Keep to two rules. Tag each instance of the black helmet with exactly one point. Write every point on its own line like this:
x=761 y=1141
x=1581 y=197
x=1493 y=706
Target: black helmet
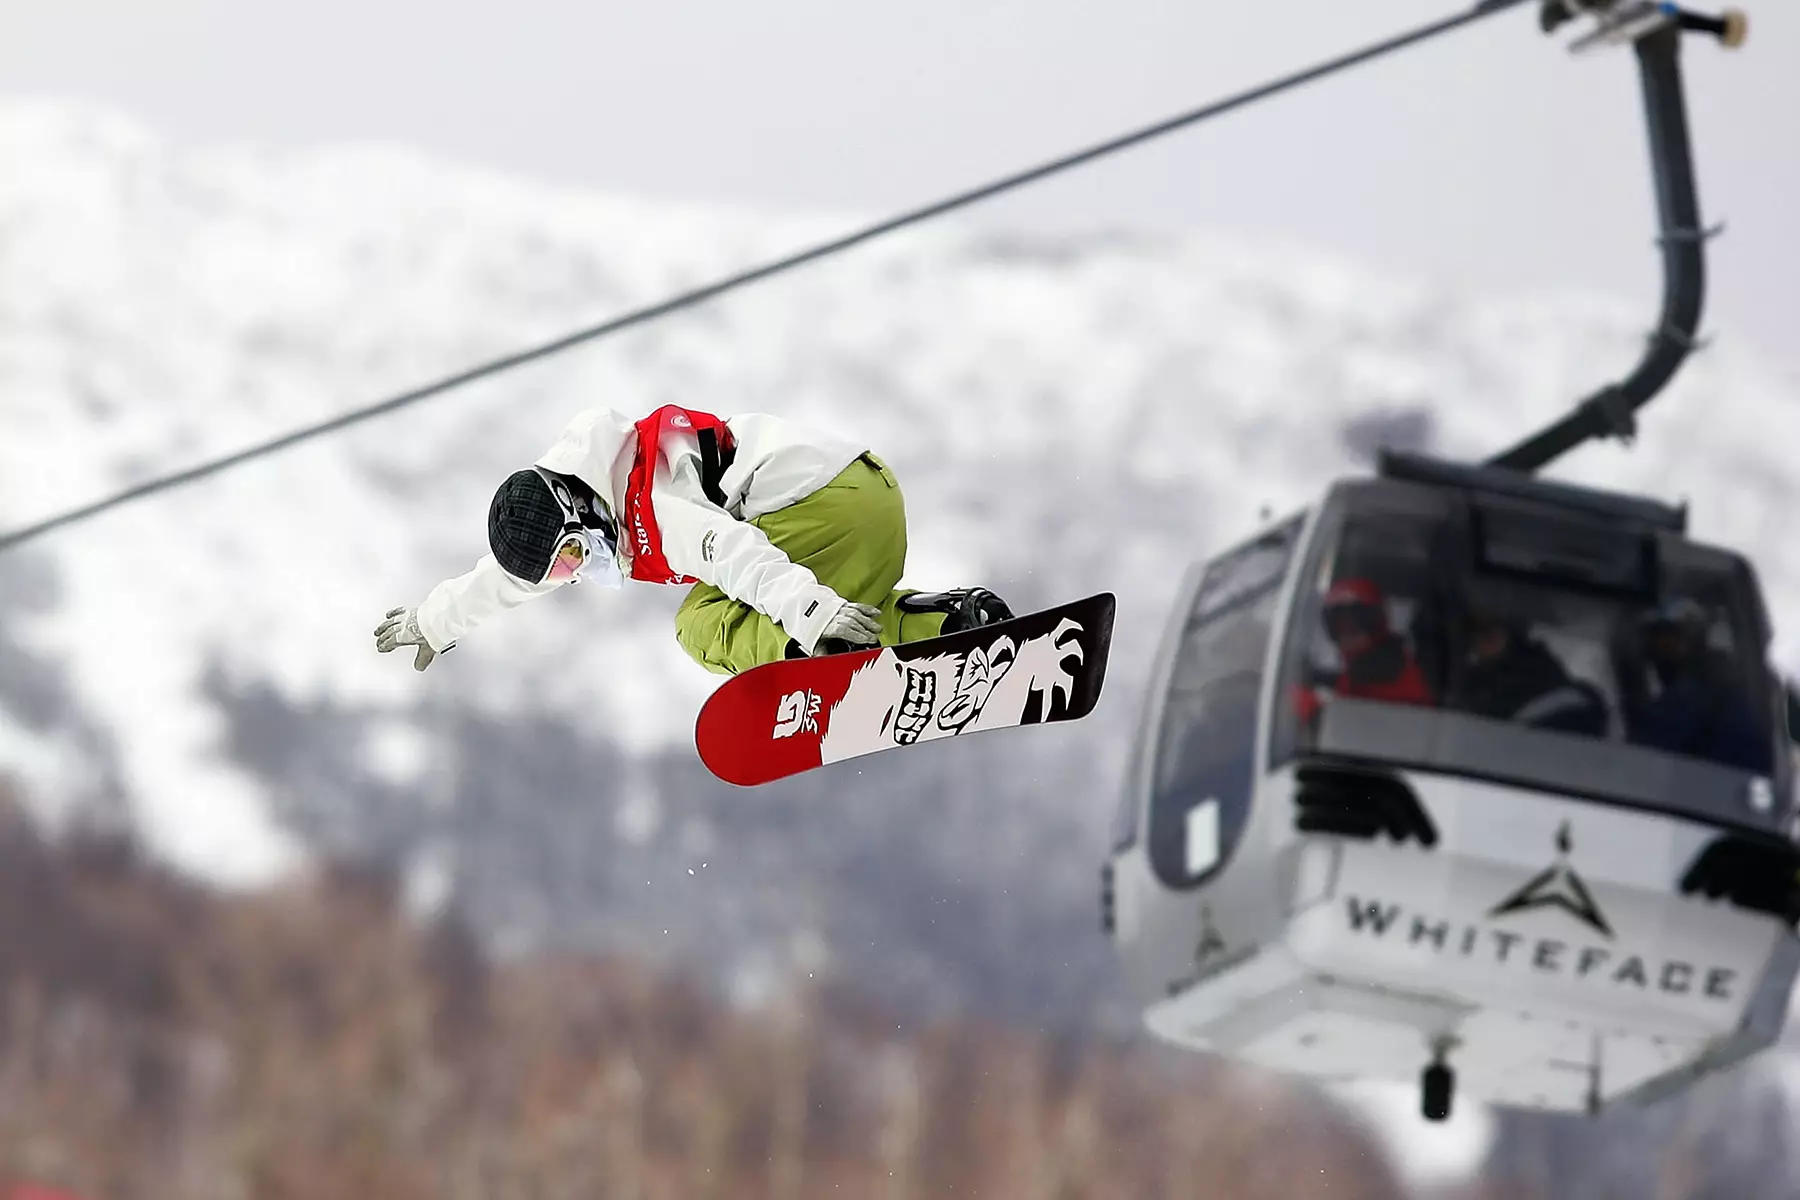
x=525 y=525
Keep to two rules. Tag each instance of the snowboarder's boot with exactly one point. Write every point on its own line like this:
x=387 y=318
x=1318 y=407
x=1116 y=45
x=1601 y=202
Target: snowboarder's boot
x=963 y=608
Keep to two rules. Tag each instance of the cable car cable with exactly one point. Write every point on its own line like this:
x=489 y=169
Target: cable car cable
x=709 y=291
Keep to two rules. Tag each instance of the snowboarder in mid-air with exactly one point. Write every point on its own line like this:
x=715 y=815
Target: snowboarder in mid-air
x=794 y=542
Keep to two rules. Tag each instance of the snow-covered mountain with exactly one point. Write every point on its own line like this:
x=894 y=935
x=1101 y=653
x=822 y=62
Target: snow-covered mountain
x=1065 y=414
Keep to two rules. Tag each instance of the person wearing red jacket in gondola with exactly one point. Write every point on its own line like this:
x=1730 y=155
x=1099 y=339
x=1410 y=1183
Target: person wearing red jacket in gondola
x=1377 y=662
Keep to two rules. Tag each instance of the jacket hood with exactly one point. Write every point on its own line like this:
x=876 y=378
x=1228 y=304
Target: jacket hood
x=598 y=446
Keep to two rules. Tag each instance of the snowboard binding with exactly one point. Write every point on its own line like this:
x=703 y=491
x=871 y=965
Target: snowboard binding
x=964 y=608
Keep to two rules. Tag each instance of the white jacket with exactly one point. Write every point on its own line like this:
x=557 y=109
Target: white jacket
x=777 y=463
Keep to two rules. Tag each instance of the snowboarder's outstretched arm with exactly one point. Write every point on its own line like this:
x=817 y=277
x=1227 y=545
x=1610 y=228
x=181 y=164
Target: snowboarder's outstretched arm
x=702 y=540
x=456 y=606
x=453 y=608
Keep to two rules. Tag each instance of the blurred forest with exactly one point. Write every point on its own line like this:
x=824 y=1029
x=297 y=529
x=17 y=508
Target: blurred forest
x=158 y=1039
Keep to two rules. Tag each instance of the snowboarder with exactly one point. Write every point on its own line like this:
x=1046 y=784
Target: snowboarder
x=794 y=542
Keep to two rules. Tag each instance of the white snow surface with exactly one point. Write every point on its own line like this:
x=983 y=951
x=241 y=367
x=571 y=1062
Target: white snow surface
x=161 y=304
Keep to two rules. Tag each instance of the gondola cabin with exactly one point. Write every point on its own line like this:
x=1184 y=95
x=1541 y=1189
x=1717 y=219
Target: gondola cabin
x=1468 y=778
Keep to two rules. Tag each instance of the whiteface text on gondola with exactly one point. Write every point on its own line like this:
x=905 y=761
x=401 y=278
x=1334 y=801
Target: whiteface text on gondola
x=1541 y=955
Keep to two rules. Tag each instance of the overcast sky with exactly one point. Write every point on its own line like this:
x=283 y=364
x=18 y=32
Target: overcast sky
x=1490 y=157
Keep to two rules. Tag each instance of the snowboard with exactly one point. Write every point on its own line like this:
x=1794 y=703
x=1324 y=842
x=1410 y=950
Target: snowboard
x=787 y=717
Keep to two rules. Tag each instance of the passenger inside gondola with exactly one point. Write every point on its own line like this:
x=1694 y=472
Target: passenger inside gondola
x=1510 y=674
x=1696 y=704
x=1377 y=663
x=1370 y=623
x=1534 y=621
x=1374 y=660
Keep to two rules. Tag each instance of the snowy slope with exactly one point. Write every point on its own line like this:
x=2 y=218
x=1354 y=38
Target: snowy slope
x=1065 y=415
x=1134 y=401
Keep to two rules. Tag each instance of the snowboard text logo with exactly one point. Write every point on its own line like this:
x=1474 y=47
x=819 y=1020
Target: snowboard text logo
x=797 y=713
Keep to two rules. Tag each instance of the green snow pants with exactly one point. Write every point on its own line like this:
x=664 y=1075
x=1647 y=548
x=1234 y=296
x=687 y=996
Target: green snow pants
x=851 y=533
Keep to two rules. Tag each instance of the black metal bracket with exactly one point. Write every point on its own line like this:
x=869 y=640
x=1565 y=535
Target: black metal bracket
x=1689 y=235
x=1610 y=411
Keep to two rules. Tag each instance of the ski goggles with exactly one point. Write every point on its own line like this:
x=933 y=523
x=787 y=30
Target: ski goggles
x=572 y=554
x=585 y=533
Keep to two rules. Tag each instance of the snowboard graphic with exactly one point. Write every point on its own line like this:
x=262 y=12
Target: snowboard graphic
x=787 y=717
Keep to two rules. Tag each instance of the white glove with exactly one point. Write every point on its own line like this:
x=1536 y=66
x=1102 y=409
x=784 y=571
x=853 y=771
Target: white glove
x=401 y=628
x=858 y=624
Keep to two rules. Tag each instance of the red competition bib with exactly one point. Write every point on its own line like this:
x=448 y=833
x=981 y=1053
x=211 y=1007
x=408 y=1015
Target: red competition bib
x=647 y=561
